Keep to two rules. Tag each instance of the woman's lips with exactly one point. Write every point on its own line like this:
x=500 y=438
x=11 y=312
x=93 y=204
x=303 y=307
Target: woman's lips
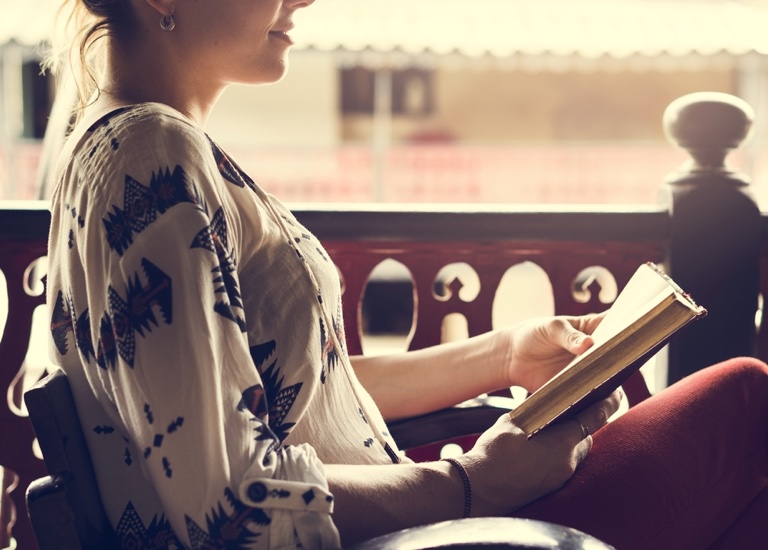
x=281 y=35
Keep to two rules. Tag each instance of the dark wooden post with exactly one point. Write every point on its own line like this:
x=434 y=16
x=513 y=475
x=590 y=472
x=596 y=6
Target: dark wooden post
x=715 y=230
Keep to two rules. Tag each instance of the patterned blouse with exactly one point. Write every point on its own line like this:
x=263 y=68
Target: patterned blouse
x=200 y=327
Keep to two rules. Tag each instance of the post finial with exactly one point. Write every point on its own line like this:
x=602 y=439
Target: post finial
x=708 y=125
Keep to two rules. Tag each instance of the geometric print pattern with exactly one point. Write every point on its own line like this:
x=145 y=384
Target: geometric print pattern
x=131 y=532
x=222 y=530
x=63 y=322
x=215 y=238
x=129 y=314
x=135 y=311
x=329 y=353
x=143 y=204
x=159 y=437
x=229 y=170
x=280 y=399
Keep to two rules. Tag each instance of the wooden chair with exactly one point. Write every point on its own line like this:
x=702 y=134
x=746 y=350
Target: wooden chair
x=486 y=533
x=66 y=511
x=64 y=508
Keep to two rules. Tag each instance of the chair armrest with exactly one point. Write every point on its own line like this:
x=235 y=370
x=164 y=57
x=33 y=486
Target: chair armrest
x=48 y=504
x=486 y=533
x=468 y=418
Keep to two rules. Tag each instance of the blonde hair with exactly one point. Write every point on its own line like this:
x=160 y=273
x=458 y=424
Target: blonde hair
x=77 y=49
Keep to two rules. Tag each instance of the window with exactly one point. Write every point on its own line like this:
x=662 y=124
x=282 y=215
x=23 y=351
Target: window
x=38 y=99
x=412 y=91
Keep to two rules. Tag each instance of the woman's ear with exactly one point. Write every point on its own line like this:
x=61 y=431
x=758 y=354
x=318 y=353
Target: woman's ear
x=163 y=7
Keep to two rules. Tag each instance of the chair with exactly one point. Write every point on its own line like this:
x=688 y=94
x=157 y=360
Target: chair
x=66 y=511
x=471 y=417
x=488 y=534
x=64 y=508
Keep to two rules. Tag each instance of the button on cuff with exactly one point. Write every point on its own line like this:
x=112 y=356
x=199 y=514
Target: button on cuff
x=286 y=495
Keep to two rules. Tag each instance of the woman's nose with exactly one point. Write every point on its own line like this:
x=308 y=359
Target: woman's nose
x=296 y=4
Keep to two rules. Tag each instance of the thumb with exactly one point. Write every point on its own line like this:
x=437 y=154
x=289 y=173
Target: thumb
x=575 y=341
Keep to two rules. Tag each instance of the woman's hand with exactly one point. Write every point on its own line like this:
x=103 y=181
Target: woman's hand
x=538 y=349
x=508 y=470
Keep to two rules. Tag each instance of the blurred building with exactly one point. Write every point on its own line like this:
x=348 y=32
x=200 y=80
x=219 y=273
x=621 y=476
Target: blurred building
x=456 y=100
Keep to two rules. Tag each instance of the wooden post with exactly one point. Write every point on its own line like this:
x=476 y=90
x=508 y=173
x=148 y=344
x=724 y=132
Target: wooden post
x=715 y=230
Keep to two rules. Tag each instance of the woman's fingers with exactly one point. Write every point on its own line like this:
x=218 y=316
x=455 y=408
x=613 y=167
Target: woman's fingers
x=574 y=333
x=574 y=340
x=576 y=432
x=596 y=416
x=511 y=469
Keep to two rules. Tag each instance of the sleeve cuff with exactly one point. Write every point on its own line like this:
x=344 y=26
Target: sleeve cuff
x=286 y=495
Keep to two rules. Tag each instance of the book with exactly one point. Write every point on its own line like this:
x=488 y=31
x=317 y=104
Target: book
x=646 y=314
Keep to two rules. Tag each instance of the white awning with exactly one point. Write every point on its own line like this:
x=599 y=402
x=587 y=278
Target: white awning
x=502 y=28
x=589 y=29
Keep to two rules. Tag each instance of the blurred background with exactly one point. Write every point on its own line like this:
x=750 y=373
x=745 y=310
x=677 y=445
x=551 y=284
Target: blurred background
x=454 y=101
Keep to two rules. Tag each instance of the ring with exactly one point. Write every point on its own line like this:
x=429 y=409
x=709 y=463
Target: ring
x=584 y=429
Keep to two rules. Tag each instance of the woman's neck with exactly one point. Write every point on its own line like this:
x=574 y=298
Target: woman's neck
x=137 y=78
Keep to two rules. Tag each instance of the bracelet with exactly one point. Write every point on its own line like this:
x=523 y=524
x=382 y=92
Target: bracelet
x=467 y=485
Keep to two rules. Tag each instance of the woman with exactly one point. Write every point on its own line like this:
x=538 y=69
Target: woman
x=200 y=326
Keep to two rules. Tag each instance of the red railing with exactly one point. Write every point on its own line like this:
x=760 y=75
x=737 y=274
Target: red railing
x=708 y=234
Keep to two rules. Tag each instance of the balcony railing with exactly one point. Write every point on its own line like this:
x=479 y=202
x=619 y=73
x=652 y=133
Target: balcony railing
x=708 y=233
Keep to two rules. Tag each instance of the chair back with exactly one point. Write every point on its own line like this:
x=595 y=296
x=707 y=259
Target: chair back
x=65 y=508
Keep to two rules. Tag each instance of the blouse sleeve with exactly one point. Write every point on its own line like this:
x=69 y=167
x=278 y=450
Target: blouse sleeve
x=178 y=369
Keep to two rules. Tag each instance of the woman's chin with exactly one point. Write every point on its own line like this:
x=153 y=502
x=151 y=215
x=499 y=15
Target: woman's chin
x=271 y=74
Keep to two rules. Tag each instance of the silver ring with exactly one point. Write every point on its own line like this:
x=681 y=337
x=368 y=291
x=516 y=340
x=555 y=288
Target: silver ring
x=584 y=429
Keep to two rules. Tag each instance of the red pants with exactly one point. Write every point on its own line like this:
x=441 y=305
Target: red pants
x=687 y=468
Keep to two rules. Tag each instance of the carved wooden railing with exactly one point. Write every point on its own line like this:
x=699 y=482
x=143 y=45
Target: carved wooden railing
x=23 y=232
x=707 y=232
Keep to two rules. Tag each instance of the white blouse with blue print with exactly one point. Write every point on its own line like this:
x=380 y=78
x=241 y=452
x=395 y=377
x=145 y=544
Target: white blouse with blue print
x=200 y=327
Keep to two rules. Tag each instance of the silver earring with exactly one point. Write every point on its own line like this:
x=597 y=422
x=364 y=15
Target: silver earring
x=167 y=22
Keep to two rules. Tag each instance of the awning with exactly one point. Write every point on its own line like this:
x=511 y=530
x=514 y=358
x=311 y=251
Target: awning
x=502 y=28
x=388 y=30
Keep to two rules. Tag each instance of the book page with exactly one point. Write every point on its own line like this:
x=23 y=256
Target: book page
x=642 y=287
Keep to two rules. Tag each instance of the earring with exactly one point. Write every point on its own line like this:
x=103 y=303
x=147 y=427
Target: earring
x=167 y=22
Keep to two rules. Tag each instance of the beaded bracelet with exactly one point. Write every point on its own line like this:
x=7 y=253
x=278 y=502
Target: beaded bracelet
x=467 y=485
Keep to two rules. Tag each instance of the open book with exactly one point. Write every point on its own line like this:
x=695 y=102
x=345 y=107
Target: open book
x=649 y=310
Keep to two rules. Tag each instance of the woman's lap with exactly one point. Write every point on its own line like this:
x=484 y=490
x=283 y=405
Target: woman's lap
x=677 y=470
